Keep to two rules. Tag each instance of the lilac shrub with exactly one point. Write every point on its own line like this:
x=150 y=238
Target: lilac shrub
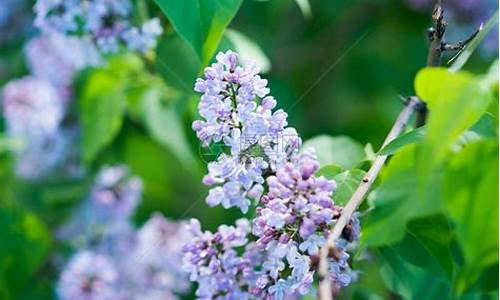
x=113 y=259
x=106 y=22
x=274 y=254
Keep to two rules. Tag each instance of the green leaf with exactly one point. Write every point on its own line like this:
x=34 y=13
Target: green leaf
x=103 y=101
x=471 y=47
x=410 y=137
x=24 y=247
x=246 y=48
x=330 y=171
x=409 y=281
x=427 y=245
x=165 y=126
x=396 y=201
x=347 y=182
x=177 y=63
x=201 y=23
x=486 y=127
x=339 y=150
x=471 y=198
x=456 y=102
x=101 y=107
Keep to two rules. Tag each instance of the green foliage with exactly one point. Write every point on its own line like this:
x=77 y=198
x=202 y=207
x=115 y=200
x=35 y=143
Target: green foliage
x=407 y=138
x=246 y=48
x=438 y=198
x=25 y=244
x=341 y=150
x=201 y=23
x=165 y=126
x=471 y=200
x=102 y=103
x=457 y=101
x=178 y=63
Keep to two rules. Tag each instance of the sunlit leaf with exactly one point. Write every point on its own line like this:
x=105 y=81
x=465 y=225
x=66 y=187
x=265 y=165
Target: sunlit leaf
x=246 y=48
x=471 y=197
x=165 y=126
x=410 y=137
x=200 y=22
x=177 y=63
x=339 y=150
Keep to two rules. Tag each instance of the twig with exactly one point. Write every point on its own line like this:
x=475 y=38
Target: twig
x=436 y=35
x=325 y=291
x=438 y=46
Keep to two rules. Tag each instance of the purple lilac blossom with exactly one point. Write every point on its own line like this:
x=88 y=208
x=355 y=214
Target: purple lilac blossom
x=213 y=262
x=145 y=261
x=88 y=276
x=56 y=58
x=106 y=22
x=153 y=265
x=238 y=112
x=33 y=111
x=115 y=193
x=103 y=220
x=275 y=260
x=292 y=224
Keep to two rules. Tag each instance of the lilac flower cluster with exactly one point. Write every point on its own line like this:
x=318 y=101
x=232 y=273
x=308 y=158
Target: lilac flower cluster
x=213 y=262
x=107 y=22
x=238 y=112
x=293 y=222
x=113 y=260
x=276 y=256
x=33 y=110
x=35 y=106
x=56 y=58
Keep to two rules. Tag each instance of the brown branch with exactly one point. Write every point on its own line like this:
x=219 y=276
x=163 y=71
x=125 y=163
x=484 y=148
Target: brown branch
x=325 y=288
x=436 y=35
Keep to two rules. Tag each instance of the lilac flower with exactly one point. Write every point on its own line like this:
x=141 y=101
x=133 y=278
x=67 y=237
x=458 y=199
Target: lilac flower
x=32 y=107
x=212 y=261
x=145 y=262
x=103 y=220
x=88 y=276
x=237 y=111
x=33 y=110
x=115 y=193
x=292 y=219
x=144 y=38
x=56 y=58
x=106 y=22
x=152 y=267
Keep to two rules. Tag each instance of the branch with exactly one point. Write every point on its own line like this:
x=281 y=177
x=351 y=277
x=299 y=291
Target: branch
x=438 y=46
x=436 y=35
x=325 y=290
